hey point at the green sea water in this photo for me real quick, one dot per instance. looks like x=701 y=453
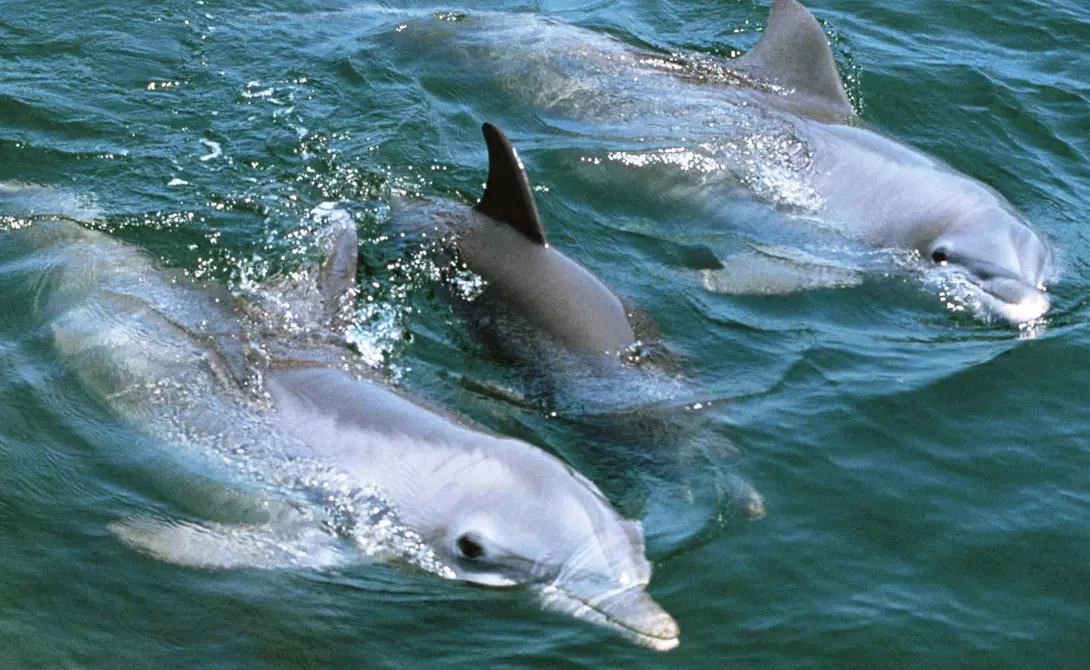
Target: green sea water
x=924 y=473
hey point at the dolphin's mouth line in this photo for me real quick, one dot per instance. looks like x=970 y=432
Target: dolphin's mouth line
x=996 y=295
x=582 y=608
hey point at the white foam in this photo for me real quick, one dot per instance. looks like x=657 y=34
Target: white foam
x=215 y=150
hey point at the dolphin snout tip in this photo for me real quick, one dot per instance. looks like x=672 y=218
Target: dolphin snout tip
x=1017 y=301
x=666 y=637
x=657 y=629
x=1031 y=308
x=630 y=612
x=643 y=619
x=1004 y=298
x=663 y=644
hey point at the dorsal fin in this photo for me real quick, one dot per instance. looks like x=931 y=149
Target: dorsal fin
x=794 y=53
x=507 y=195
x=337 y=272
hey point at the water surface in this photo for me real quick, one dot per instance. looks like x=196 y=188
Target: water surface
x=924 y=473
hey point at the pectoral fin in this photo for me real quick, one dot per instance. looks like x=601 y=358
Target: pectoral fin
x=228 y=546
x=773 y=271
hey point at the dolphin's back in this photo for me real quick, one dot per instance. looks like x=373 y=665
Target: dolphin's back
x=556 y=295
x=406 y=450
x=370 y=407
x=162 y=356
x=134 y=333
x=504 y=242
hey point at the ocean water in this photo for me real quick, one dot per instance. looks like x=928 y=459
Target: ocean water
x=923 y=472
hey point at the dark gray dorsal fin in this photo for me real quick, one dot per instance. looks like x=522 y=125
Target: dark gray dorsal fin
x=794 y=53
x=507 y=195
x=337 y=272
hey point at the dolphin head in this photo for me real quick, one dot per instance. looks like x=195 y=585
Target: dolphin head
x=530 y=520
x=492 y=510
x=1003 y=256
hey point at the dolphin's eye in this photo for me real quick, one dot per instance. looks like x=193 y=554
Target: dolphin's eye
x=469 y=547
x=938 y=255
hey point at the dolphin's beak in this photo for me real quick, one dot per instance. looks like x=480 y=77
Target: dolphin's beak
x=1003 y=293
x=1015 y=300
x=628 y=611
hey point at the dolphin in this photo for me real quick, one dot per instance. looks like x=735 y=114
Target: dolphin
x=501 y=240
x=338 y=464
x=775 y=121
x=540 y=308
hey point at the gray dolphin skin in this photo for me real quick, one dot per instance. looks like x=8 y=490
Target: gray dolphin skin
x=338 y=466
x=775 y=121
x=502 y=241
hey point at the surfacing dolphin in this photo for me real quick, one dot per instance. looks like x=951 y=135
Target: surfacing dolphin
x=594 y=353
x=324 y=453
x=776 y=121
x=541 y=309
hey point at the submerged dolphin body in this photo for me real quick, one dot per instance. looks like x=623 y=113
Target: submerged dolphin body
x=328 y=453
x=776 y=121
